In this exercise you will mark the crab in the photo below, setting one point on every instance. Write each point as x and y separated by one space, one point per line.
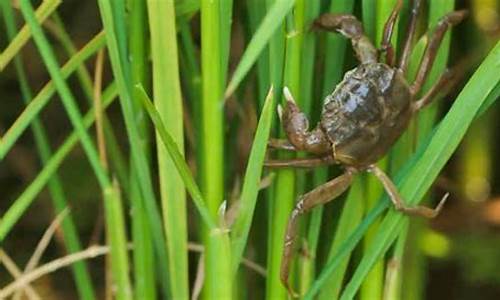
362 118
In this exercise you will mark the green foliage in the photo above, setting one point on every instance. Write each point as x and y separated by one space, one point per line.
212 133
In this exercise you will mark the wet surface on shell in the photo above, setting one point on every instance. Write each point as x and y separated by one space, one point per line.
366 113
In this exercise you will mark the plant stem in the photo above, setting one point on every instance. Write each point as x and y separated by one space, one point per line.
168 101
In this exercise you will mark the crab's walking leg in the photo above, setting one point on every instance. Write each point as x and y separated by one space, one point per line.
296 127
280 144
410 33
300 162
396 199
318 196
386 45
446 79
351 28
444 23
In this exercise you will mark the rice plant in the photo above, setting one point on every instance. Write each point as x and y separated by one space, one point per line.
139 131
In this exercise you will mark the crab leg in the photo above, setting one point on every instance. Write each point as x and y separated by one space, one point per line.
351 28
443 25
300 162
405 56
280 144
443 82
320 195
396 199
386 45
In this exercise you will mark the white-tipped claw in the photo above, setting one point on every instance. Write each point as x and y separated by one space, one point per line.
288 94
280 112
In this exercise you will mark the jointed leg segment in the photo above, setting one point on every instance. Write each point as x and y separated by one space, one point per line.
396 199
443 25
386 45
300 162
351 28
320 195
410 34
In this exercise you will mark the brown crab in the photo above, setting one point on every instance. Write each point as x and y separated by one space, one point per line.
362 118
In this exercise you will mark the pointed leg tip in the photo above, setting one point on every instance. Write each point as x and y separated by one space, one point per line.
442 202
440 205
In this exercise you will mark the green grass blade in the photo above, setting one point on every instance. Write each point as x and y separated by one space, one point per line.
218 238
43 97
22 202
71 239
144 261
64 91
272 21
64 39
311 11
256 11
116 156
121 72
115 227
215 31
282 192
284 52
113 214
176 156
430 161
248 198
351 216
45 9
168 101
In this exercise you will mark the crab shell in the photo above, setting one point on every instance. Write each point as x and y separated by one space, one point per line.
366 113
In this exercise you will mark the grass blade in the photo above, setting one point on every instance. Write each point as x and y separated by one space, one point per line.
19 206
45 9
248 198
168 101
144 261
121 71
70 234
43 97
215 32
114 216
217 238
177 158
272 21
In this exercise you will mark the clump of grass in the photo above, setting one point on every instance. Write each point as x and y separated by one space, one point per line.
153 49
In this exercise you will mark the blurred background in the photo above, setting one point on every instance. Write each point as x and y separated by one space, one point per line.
457 256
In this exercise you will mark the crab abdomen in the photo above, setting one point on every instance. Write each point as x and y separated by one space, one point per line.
366 113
